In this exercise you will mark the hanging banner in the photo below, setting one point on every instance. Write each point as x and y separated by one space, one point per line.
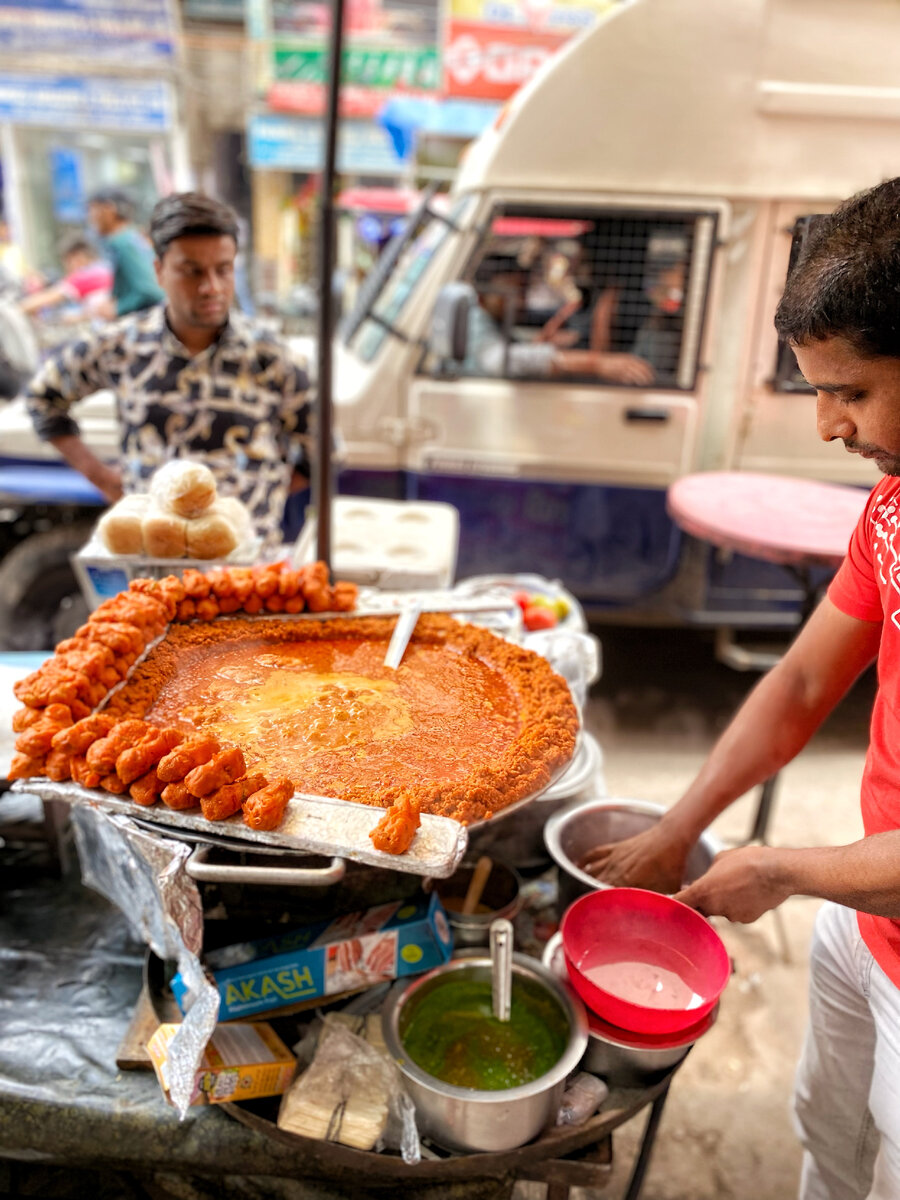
89 102
490 62
293 144
394 68
139 32
560 15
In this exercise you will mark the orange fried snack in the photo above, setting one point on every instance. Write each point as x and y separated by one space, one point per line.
137 760
25 717
265 808
344 596
53 684
121 636
76 738
395 831
192 753
23 766
82 773
222 768
176 795
112 783
225 801
37 739
197 586
58 766
169 592
102 755
146 790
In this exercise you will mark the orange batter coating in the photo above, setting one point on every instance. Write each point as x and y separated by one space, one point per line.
169 591
222 768
265 807
112 783
25 717
197 586
58 766
145 791
77 738
395 831
176 795
193 752
102 755
53 684
122 637
82 773
149 613
23 766
187 610
37 739
225 801
137 760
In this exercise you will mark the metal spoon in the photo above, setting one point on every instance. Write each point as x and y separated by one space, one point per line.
403 631
501 967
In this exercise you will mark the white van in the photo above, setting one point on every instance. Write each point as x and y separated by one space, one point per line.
621 237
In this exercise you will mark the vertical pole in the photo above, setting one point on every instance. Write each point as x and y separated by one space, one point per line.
323 486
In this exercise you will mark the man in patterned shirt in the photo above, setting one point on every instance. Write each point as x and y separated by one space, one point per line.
192 379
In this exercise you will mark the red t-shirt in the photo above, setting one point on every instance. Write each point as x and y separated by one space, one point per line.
867 586
96 276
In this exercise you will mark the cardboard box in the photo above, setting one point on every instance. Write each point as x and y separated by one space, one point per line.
329 958
241 1061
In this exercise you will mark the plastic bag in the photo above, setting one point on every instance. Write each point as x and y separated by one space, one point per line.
351 1093
581 1099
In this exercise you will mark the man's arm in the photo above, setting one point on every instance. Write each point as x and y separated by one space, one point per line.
75 372
773 724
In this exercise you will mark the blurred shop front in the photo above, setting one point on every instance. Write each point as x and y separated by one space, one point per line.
87 100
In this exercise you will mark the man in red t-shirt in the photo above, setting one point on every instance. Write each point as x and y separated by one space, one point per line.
839 312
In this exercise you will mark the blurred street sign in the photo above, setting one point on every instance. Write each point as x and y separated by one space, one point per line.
139 32
88 102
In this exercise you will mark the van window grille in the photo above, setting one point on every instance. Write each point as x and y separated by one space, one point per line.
613 297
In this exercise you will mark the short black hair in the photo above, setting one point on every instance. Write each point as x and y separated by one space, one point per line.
847 280
498 263
190 214
75 243
121 201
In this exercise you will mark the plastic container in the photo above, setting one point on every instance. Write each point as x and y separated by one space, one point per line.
643 961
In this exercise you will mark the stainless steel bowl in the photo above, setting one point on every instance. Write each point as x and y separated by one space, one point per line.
622 1058
580 827
501 896
469 1120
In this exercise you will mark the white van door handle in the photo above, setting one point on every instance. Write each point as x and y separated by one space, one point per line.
657 415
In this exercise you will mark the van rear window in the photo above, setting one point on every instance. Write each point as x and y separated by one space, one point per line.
607 296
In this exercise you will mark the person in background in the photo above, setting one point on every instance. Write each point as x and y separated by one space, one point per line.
192 378
135 287
500 283
658 340
839 315
87 281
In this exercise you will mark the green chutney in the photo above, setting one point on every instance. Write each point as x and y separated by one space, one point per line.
452 1033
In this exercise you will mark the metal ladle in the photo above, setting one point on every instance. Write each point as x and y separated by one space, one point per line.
501 941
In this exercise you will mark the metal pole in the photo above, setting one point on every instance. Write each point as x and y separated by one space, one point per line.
323 485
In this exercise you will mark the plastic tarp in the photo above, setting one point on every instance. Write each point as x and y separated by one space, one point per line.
404 118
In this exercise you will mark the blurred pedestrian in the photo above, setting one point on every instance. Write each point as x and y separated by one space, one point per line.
87 281
111 212
192 378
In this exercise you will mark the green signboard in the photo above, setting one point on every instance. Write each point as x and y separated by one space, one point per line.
381 67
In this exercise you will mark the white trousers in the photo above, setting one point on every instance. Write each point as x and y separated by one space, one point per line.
847 1093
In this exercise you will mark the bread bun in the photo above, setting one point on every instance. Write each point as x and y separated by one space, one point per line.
165 535
211 536
120 529
183 487
236 514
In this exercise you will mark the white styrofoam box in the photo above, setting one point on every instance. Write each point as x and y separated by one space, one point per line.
395 544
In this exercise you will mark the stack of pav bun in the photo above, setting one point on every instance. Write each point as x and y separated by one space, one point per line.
61 736
181 515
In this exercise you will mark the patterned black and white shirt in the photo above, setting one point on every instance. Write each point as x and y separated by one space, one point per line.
239 406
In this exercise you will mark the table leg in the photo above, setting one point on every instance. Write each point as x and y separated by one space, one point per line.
642 1162
760 829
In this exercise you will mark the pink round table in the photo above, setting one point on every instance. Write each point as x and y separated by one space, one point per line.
797 523
793 522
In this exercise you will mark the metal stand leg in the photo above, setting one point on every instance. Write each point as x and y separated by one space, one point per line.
760 829
642 1162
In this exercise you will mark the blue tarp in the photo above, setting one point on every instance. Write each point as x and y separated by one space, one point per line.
405 117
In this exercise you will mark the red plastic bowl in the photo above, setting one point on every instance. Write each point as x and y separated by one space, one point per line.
643 961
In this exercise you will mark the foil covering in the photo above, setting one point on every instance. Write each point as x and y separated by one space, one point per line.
143 875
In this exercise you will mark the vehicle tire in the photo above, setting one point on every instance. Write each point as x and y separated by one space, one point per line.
40 600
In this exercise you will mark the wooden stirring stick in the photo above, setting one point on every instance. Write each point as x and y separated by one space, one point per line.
476 885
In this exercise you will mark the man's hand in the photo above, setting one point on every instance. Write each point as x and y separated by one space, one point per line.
651 859
108 480
625 368
741 885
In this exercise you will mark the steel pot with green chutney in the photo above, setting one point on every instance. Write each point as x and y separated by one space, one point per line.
479 1084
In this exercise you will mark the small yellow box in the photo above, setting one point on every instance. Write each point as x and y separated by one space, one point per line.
242 1061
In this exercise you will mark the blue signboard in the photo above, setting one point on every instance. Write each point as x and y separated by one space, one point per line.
297 144
137 32
92 102
67 185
